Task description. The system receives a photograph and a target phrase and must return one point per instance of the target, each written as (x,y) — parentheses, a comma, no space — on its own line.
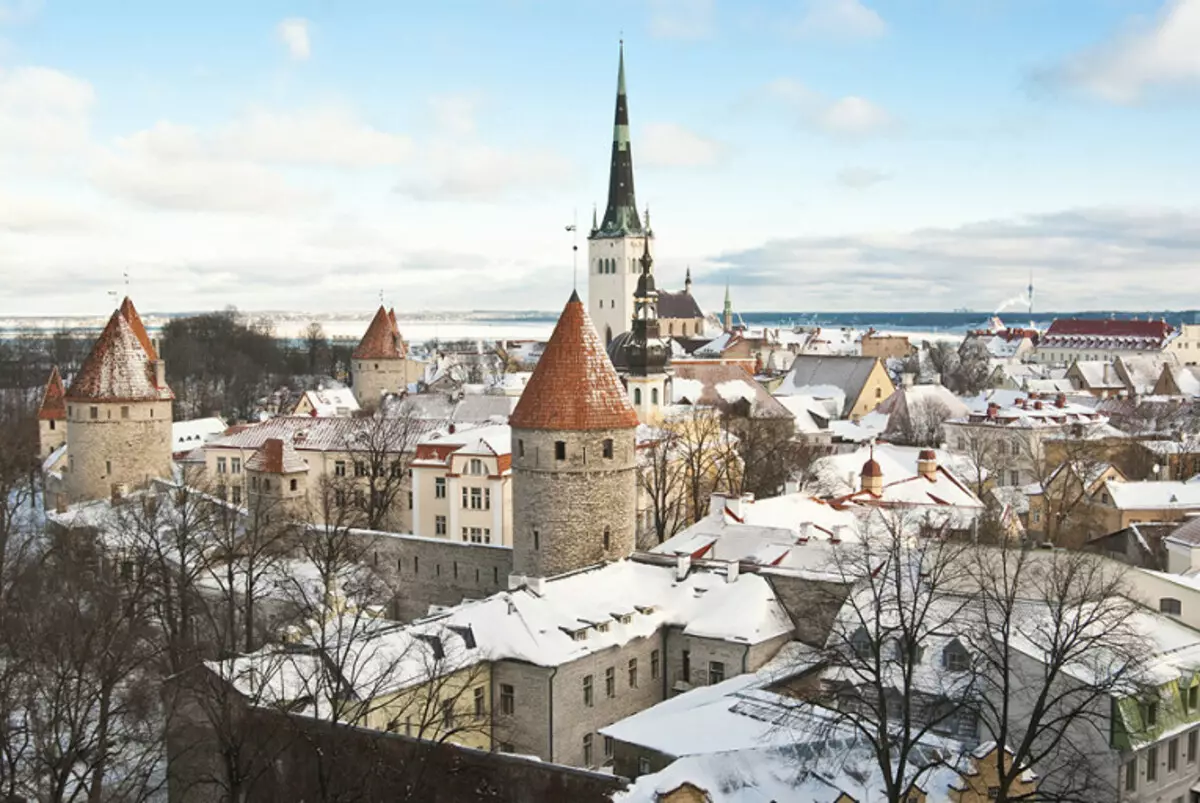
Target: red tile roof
(139,329)
(1108,327)
(118,368)
(574,385)
(276,456)
(382,340)
(54,405)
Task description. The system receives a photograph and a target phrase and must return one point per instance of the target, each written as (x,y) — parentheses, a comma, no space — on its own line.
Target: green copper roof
(620,216)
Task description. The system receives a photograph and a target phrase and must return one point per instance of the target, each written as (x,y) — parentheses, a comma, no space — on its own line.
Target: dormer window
(602,627)
(955,657)
(1170,605)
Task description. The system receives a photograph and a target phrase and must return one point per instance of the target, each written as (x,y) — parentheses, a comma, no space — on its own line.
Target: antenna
(574,249)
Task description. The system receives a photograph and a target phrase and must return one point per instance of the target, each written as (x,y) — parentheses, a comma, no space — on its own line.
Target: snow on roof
(1099,375)
(329,402)
(719,385)
(320,434)
(524,625)
(487,439)
(847,373)
(812,414)
(864,429)
(1153,495)
(1143,370)
(117,368)
(187,435)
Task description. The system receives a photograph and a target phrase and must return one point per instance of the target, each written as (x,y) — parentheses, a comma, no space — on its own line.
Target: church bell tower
(616,244)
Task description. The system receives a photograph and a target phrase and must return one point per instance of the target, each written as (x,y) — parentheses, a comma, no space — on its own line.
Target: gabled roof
(848,374)
(678,305)
(54,406)
(118,368)
(723,385)
(382,339)
(135,323)
(276,456)
(574,386)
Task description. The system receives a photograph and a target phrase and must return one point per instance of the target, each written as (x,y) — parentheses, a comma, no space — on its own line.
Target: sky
(816,155)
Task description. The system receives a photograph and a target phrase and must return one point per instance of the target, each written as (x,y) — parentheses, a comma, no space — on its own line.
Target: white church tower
(615,247)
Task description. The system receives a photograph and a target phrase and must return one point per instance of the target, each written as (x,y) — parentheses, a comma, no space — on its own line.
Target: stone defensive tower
(380,363)
(118,413)
(52,416)
(574,462)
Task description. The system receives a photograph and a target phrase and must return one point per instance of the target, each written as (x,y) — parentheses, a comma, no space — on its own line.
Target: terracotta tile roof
(139,329)
(276,456)
(54,405)
(382,340)
(1108,327)
(117,368)
(574,386)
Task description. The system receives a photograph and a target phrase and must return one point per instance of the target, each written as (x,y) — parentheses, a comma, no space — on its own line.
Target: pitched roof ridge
(139,329)
(53,406)
(574,385)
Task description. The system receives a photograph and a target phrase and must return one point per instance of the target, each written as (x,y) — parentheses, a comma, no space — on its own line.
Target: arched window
(637,395)
(1170,605)
(654,396)
(685,328)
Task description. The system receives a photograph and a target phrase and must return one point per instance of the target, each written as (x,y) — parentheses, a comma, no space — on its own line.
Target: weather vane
(574,250)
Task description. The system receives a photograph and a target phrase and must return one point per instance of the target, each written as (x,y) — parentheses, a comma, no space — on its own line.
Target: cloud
(841,19)
(1163,53)
(1095,258)
(43,112)
(33,214)
(294,34)
(672,145)
(454,114)
(861,178)
(850,116)
(18,11)
(475,171)
(682,19)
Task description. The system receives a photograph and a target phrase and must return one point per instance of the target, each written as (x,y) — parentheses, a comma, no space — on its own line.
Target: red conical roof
(574,385)
(135,323)
(54,404)
(118,368)
(382,340)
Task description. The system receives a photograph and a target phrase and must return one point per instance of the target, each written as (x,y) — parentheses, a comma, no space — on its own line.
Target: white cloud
(17,11)
(454,114)
(1164,53)
(672,145)
(845,19)
(860,178)
(850,116)
(330,137)
(294,33)
(682,19)
(32,214)
(459,171)
(43,111)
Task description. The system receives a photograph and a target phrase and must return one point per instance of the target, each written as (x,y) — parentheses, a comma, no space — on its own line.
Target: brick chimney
(1060,401)
(927,464)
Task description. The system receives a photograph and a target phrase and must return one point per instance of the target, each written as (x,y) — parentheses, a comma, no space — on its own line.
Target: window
(1151,764)
(507,699)
(339,468)
(221,465)
(1131,775)
(107,467)
(439,488)
(654,396)
(955,658)
(51,423)
(687,666)
(879,393)
(292,485)
(1170,605)
(479,705)
(608,448)
(1191,747)
(637,395)
(410,500)
(654,665)
(633,678)
(560,450)
(1151,715)
(93,412)
(537,541)
(1014,477)
(716,672)
(237,495)
(608,748)
(520,447)
(447,714)
(360,468)
(439,525)
(397,470)
(587,750)
(466,496)
(587,691)
(506,747)
(480,498)
(339,495)
(1172,755)
(607,538)
(476,467)
(235,465)
(124,412)
(610,682)
(643,765)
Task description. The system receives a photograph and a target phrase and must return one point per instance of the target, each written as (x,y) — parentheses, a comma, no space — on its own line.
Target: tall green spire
(620,216)
(728,313)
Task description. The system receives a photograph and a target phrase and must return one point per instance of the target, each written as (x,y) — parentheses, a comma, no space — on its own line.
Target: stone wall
(562,508)
(123,443)
(435,571)
(51,435)
(371,378)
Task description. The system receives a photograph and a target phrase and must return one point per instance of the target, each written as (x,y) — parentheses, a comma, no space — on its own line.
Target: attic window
(1170,605)
(623,618)
(955,657)
(602,627)
(560,450)
(645,610)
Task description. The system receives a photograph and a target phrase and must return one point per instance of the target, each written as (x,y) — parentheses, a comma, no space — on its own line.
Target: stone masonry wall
(436,571)
(51,435)
(373,377)
(112,448)
(570,503)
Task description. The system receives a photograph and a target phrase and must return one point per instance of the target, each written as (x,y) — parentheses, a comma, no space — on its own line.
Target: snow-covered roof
(119,367)
(1153,495)
(722,385)
(322,434)
(487,440)
(328,402)
(814,375)
(187,435)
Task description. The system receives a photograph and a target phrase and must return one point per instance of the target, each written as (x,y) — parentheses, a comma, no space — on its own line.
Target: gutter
(550,709)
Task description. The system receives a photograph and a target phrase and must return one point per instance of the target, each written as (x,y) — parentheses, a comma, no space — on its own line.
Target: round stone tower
(574,462)
(380,363)
(118,413)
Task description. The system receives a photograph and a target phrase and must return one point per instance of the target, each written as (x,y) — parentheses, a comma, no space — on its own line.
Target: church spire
(621,216)
(728,311)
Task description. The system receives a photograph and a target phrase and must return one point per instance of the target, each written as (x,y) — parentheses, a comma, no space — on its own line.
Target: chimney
(683,565)
(791,487)
(160,374)
(716,505)
(1037,405)
(537,585)
(927,464)
(60,503)
(737,505)
(835,537)
(992,409)
(450,429)
(731,571)
(805,531)
(1060,401)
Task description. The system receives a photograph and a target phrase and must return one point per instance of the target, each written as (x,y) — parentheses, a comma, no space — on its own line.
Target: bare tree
(1056,638)
(662,481)
(920,424)
(708,457)
(381,447)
